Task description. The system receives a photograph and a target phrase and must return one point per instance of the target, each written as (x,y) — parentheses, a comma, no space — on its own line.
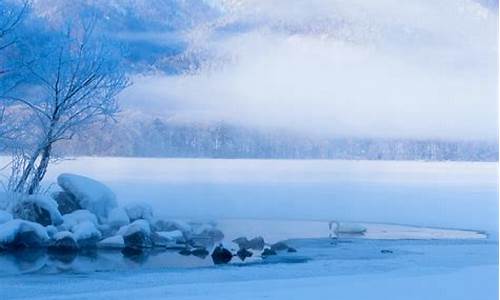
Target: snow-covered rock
(65,241)
(78,216)
(90,194)
(167,238)
(118,217)
(113,242)
(86,234)
(136,211)
(41,209)
(137,235)
(66,202)
(5,216)
(22,233)
(175,235)
(257,243)
(162,225)
(51,230)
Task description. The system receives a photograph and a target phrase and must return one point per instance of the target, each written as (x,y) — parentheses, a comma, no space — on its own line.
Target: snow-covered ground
(294,199)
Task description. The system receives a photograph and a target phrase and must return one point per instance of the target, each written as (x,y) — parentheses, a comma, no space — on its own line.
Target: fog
(417,69)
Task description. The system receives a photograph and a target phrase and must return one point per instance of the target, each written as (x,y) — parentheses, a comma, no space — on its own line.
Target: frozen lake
(441,194)
(291,199)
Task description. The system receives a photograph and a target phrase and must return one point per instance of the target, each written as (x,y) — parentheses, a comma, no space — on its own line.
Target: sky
(386,68)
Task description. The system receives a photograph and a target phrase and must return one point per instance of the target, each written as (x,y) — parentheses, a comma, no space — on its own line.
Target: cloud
(345,68)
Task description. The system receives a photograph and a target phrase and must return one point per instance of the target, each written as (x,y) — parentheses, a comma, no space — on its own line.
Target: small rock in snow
(137,234)
(221,255)
(243,254)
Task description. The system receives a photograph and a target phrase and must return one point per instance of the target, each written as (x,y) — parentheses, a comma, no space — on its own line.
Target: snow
(78,216)
(63,234)
(91,194)
(5,216)
(10,230)
(47,203)
(112,242)
(139,211)
(171,235)
(118,217)
(136,226)
(85,230)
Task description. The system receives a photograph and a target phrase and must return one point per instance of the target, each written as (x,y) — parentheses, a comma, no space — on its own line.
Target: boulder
(350,228)
(19,233)
(137,235)
(136,211)
(256,243)
(86,234)
(78,216)
(66,202)
(200,252)
(37,208)
(243,254)
(64,241)
(268,252)
(221,255)
(90,194)
(279,246)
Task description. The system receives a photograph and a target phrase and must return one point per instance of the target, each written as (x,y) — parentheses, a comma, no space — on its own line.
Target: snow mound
(47,203)
(351,228)
(118,217)
(115,242)
(86,230)
(90,194)
(136,211)
(4,216)
(22,232)
(136,226)
(175,235)
(78,216)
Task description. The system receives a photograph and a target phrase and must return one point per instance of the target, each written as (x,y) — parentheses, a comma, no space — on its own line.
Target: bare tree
(10,18)
(73,83)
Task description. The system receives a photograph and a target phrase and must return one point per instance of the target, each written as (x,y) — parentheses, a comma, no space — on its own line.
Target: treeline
(163,138)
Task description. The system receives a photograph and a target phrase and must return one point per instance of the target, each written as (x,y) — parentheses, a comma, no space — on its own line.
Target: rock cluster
(85,215)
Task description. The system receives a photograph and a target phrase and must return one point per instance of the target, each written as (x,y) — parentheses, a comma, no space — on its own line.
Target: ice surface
(91,194)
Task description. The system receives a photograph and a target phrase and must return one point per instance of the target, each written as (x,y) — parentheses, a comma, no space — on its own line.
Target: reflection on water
(94,260)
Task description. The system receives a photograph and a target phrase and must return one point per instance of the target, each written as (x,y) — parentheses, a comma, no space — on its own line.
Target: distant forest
(155,137)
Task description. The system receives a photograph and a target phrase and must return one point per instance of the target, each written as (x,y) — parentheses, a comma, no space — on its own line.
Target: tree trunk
(27,172)
(41,169)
